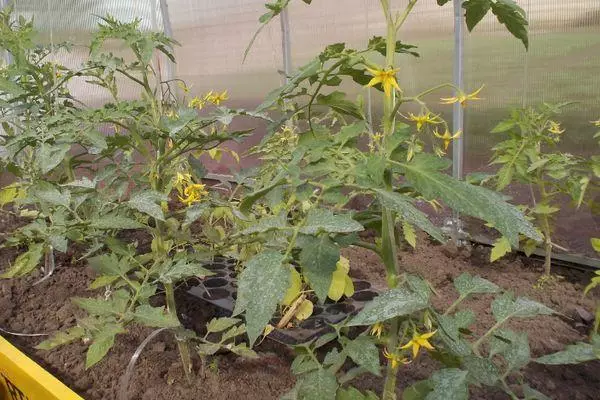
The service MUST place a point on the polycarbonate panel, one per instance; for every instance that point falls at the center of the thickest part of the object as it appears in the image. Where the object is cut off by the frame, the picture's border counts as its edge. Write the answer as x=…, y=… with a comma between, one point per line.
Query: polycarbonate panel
x=562, y=65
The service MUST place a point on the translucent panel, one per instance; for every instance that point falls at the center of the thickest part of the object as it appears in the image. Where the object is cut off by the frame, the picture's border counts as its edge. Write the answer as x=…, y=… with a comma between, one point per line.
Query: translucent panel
x=561, y=65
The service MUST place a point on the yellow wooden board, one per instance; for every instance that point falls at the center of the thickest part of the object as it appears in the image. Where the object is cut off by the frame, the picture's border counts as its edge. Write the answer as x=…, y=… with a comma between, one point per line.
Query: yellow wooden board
x=23, y=379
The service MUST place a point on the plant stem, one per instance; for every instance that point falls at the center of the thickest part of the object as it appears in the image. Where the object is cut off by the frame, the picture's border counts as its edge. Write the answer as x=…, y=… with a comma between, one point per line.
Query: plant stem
x=493, y=329
x=545, y=225
x=182, y=344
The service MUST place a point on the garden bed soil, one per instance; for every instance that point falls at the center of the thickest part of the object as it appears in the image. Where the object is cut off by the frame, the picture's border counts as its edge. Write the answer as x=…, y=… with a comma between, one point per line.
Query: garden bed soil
x=46, y=308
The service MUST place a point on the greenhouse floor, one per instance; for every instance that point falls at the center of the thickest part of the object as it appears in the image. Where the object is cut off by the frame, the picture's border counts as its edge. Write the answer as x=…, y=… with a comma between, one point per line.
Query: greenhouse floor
x=158, y=375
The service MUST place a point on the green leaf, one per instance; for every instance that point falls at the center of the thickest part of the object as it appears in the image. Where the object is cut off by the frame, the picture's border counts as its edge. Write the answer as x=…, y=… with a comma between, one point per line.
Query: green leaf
x=49, y=157
x=532, y=394
x=102, y=281
x=503, y=126
x=266, y=224
x=514, y=347
x=26, y=262
x=506, y=306
x=318, y=385
x=318, y=259
x=155, y=317
x=475, y=10
x=47, y=193
x=442, y=2
x=449, y=384
x=544, y=209
x=364, y=353
x=466, y=285
x=62, y=338
x=146, y=202
x=481, y=370
x=267, y=272
x=513, y=17
x=110, y=264
x=303, y=364
x=393, y=303
x=221, y=324
x=102, y=343
x=403, y=206
x=409, y=234
x=352, y=393
x=468, y=199
x=349, y=132
x=337, y=101
x=572, y=354
x=99, y=307
x=243, y=351
x=595, y=244
x=419, y=390
x=322, y=220
x=115, y=222
x=500, y=248
x=249, y=200
x=207, y=349
x=194, y=212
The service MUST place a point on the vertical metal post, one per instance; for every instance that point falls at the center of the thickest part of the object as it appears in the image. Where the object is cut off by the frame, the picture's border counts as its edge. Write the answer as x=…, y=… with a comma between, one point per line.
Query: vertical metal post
x=168, y=31
x=457, y=112
x=286, y=44
x=5, y=54
x=456, y=227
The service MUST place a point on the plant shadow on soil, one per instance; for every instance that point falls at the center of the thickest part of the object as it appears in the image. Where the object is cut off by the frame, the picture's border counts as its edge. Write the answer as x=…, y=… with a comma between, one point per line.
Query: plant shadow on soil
x=46, y=308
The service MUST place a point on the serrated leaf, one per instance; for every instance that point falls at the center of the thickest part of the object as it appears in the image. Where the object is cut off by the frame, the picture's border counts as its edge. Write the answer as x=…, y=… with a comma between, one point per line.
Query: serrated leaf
x=500, y=248
x=317, y=385
x=481, y=370
x=115, y=222
x=544, y=209
x=243, y=351
x=155, y=317
x=419, y=390
x=448, y=384
x=84, y=182
x=147, y=202
x=99, y=307
x=249, y=200
x=349, y=132
x=466, y=285
x=468, y=199
x=514, y=347
x=47, y=193
x=266, y=224
x=267, y=272
x=194, y=212
x=323, y=220
x=182, y=269
x=102, y=343
x=393, y=303
x=572, y=354
x=506, y=306
x=207, y=349
x=303, y=364
x=318, y=259
x=502, y=126
x=110, y=264
x=403, y=206
x=513, y=17
x=62, y=338
x=26, y=262
x=103, y=281
x=221, y=324
x=364, y=353
x=532, y=394
x=352, y=393
x=49, y=157
x=409, y=234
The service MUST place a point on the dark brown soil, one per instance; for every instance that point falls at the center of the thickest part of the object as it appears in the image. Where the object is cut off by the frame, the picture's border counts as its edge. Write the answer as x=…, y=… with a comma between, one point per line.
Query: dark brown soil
x=46, y=308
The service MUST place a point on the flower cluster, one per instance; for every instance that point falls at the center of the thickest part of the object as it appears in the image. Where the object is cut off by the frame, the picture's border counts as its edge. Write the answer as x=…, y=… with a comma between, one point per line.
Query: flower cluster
x=418, y=340
x=189, y=192
x=212, y=97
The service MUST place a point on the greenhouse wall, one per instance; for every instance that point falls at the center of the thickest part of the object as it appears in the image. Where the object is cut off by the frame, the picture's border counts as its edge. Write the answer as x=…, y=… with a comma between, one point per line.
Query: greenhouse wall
x=562, y=63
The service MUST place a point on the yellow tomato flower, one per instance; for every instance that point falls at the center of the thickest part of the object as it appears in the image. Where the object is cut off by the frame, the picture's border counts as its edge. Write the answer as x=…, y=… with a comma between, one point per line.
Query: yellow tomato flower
x=196, y=102
x=447, y=137
x=183, y=86
x=387, y=78
x=194, y=193
x=395, y=358
x=555, y=128
x=423, y=119
x=181, y=180
x=218, y=98
x=462, y=97
x=419, y=341
x=377, y=330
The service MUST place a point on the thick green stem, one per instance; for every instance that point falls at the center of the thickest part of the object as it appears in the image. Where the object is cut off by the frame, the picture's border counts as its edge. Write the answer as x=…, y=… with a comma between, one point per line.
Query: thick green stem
x=391, y=373
x=182, y=344
x=545, y=225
